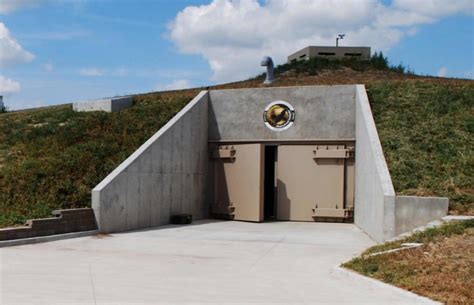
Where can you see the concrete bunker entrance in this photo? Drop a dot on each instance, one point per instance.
(303, 181)
(282, 154)
(308, 153)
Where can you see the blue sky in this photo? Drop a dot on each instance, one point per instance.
(58, 51)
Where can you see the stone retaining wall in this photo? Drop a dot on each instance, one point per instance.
(65, 221)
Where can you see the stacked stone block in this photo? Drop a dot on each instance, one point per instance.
(64, 221)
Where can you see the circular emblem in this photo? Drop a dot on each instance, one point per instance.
(279, 115)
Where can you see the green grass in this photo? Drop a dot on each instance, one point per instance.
(52, 158)
(427, 134)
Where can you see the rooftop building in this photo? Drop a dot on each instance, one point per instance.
(330, 52)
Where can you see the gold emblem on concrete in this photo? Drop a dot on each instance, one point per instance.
(279, 115)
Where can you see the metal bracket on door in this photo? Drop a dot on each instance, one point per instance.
(223, 153)
(231, 209)
(223, 211)
(325, 152)
(332, 213)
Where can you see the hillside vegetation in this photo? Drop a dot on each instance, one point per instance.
(52, 157)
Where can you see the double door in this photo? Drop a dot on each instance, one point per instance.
(312, 182)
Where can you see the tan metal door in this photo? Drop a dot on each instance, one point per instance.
(314, 182)
(238, 181)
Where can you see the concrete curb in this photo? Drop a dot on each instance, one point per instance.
(42, 239)
(432, 224)
(356, 277)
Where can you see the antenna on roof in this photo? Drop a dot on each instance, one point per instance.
(340, 36)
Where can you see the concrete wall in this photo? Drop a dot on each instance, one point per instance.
(412, 211)
(374, 210)
(165, 176)
(378, 211)
(108, 105)
(330, 52)
(322, 113)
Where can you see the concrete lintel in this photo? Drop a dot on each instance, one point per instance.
(321, 112)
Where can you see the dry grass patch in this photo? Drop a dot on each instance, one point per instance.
(441, 269)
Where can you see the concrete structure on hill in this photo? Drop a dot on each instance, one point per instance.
(330, 52)
(307, 153)
(113, 104)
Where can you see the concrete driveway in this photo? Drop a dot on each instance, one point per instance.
(210, 262)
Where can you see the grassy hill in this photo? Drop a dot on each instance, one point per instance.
(52, 157)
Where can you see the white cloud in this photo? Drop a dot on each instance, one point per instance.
(435, 8)
(8, 6)
(233, 35)
(11, 51)
(175, 85)
(443, 72)
(8, 86)
(48, 66)
(91, 72)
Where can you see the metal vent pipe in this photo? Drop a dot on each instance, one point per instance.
(268, 62)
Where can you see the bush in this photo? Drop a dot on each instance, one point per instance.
(314, 65)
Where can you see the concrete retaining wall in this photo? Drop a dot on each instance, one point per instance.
(165, 176)
(374, 210)
(322, 113)
(412, 211)
(378, 212)
(65, 221)
(109, 104)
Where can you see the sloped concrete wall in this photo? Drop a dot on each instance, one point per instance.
(374, 210)
(167, 175)
(378, 211)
